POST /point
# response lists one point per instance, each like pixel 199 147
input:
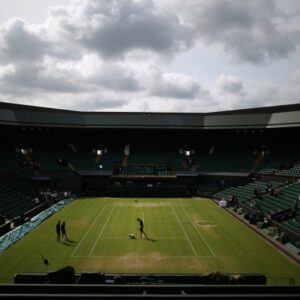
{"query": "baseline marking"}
pixel 201 236
pixel 102 231
pixel 184 232
pixel 144 256
pixel 91 226
pixel 154 237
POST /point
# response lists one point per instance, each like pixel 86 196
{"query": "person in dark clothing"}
pixel 58 231
pixel 141 228
pixel 63 230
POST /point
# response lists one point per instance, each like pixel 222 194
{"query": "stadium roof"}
pixel 265 117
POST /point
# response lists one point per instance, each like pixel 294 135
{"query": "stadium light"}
pixel 127 149
pixel 186 151
pixel 211 150
pixel 21 148
pixel 100 150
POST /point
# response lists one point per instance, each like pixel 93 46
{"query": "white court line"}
pixel 184 232
pixel 144 256
pixel 156 238
pixel 91 226
pixel 101 231
pixel 201 236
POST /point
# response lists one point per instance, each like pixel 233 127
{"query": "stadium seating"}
pixel 269 204
pixel 286 199
pixel 206 189
pixel 138 171
pixel 244 193
pixel 285 170
pixel 16 195
pixel 292 225
pixel 209 156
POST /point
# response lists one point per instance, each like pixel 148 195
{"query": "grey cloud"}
pixel 216 17
pixel 258 94
pixel 265 95
pixel 115 27
pixel 116 30
pixel 295 78
pixel 252 31
pixel 19 42
pixel 128 84
pixel 230 84
pixel 92 104
pixel 249 31
pixel 31 78
pixel 116 77
pixel 55 76
pixel 83 102
pixel 176 86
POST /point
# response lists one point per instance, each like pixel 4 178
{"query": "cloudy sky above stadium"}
pixel 150 55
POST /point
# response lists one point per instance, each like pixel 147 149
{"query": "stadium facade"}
pixel 231 155
pixel 268 117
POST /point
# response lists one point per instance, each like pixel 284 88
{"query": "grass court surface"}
pixel 184 236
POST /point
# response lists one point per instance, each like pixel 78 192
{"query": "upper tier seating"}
pixel 294 171
pixel 231 159
pixel 153 171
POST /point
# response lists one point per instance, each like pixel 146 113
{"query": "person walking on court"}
pixel 63 230
pixel 58 231
pixel 141 228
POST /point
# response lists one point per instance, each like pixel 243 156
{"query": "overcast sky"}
pixel 150 55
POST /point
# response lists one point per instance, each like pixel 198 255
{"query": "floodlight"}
pixel 24 151
pixel 127 149
pixel 100 150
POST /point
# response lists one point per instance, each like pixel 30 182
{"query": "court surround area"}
pixel 184 236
